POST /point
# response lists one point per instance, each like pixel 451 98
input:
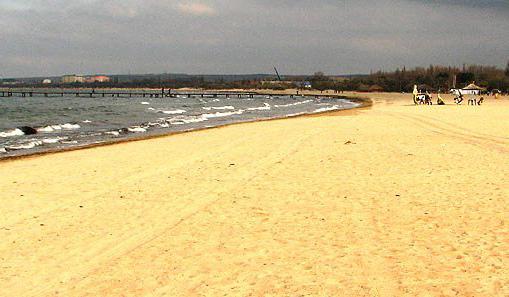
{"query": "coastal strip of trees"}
pixel 432 78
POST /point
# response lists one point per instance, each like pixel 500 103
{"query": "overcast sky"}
pixel 54 37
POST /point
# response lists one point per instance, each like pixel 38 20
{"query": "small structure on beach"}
pixel 303 84
pixel 471 89
pixel 375 88
pixel 46 81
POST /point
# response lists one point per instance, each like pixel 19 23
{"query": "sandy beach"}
pixel 390 200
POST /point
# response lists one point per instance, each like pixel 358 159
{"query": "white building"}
pixel 471 89
pixel 46 81
pixel 69 79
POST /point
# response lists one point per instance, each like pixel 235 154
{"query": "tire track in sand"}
pixel 456 133
pixel 100 257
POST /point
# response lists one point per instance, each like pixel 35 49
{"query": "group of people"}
pixel 425 98
pixel 471 101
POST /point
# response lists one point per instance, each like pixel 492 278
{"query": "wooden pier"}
pixel 164 93
pixel 123 94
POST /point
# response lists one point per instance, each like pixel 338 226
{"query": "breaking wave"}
pixel 137 129
pixel 293 104
pixel 265 106
pixel 53 128
pixel 177 111
pixel 228 107
pixel 221 114
pixel 324 109
pixel 11 133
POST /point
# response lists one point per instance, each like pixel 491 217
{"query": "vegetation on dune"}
pixel 433 78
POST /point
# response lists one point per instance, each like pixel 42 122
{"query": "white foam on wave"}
pixel 137 129
pixel 216 100
pixel 265 107
pixel 53 128
pixel 87 121
pixel 53 140
pixel 70 126
pixel 145 103
pixel 33 143
pixel 177 111
pixel 46 129
pixel 24 146
pixel 2 150
pixel 293 104
pixel 114 133
pixel 11 133
pixel 228 107
pixel 324 109
pixel 181 120
pixel 222 114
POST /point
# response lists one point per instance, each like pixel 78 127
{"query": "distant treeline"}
pixel 433 78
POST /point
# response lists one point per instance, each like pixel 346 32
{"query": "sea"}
pixel 39 124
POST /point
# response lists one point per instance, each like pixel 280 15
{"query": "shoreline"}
pixel 363 101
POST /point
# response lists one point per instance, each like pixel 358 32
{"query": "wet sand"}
pixel 392 200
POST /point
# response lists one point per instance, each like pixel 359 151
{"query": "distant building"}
pixel 46 81
pixel 70 79
pixel 98 79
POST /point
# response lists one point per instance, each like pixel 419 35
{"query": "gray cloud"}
pixel 247 36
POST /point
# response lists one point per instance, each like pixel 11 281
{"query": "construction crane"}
pixel 277 73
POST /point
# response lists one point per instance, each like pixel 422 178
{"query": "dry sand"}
pixel 393 200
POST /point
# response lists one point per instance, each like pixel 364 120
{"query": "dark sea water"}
pixel 62 122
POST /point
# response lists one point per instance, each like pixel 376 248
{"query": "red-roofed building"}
pixel 98 79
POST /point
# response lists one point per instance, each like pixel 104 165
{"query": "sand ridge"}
pixel 394 200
